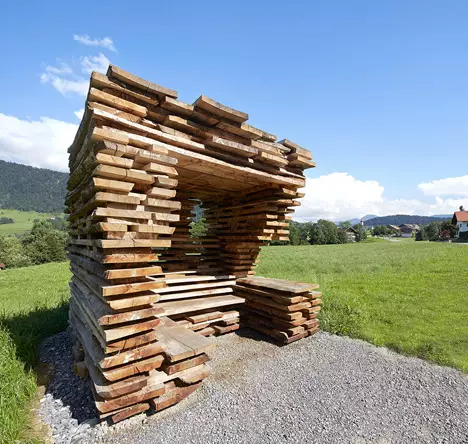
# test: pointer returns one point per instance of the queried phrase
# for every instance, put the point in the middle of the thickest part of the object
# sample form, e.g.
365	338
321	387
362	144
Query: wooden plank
130	411
173	396
144	85
185	364
187	306
210	105
111	100
278	284
195	294
296	148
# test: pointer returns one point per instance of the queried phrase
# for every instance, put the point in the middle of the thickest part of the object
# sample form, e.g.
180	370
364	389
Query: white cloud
95	63
41	143
452	186
63	68
64	80
66	86
85	39
340	196
79	113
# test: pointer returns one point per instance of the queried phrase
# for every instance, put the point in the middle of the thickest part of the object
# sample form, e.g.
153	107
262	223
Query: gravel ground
324	389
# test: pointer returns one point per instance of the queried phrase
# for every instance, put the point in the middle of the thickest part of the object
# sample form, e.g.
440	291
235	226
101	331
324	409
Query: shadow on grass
28	329
40	327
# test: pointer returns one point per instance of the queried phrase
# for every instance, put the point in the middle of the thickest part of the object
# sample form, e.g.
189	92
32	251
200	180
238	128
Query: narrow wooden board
190	305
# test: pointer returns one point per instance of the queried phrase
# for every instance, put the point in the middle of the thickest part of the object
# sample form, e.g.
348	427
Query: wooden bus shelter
145	293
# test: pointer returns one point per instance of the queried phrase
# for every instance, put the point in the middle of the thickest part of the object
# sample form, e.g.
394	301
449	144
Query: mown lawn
409	296
23	220
33	305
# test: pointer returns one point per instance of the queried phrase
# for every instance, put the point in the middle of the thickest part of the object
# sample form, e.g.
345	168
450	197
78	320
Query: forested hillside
398	219
31	189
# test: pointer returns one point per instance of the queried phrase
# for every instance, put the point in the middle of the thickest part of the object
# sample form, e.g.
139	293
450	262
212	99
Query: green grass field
410	296
23	220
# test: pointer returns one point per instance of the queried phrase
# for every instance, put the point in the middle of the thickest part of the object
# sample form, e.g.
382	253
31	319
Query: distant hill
364	218
28	188
398	219
443	216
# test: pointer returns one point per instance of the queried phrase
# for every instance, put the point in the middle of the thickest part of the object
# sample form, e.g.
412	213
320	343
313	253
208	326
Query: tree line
437	231
46	242
27	188
324	232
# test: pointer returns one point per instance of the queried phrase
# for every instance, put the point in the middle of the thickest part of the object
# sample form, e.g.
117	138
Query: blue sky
378	91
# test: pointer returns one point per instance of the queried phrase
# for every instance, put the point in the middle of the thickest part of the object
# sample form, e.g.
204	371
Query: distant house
460	220
408	230
351	233
394	229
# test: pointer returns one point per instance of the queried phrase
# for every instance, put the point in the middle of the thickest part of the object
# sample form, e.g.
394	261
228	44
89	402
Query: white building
460	220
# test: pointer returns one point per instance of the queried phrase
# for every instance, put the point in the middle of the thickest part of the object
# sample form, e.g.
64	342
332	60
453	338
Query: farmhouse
351	234
408	230
394	228
460	220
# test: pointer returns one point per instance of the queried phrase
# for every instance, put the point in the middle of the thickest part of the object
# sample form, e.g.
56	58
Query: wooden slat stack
286	311
144	292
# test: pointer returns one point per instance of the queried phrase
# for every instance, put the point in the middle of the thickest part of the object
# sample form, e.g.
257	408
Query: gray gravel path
324	389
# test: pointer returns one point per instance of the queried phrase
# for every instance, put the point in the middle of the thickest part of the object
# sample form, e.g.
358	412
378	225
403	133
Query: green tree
12	252
342	236
345	225
45	243
330	231
316	235
198	227
361	232
448	227
294	234
433	231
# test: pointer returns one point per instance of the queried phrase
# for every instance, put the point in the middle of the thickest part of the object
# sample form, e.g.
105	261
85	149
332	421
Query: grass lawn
33	305
23	220
409	296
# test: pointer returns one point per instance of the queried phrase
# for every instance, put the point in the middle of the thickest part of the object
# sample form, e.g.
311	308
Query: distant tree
198	228
330	231
59	223
6	220
380	230
45	243
304	230
421	235
345	225
317	235
462	208
361	232
294	234
12	252
342	236
449	228
430	232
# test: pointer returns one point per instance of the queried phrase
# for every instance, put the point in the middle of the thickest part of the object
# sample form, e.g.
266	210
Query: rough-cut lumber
210	105
283	310
146	292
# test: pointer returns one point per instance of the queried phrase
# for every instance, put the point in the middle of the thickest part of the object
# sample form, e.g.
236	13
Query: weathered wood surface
139	164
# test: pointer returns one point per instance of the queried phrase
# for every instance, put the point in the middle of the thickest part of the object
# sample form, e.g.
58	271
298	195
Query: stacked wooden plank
144	291
286	311
207	322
